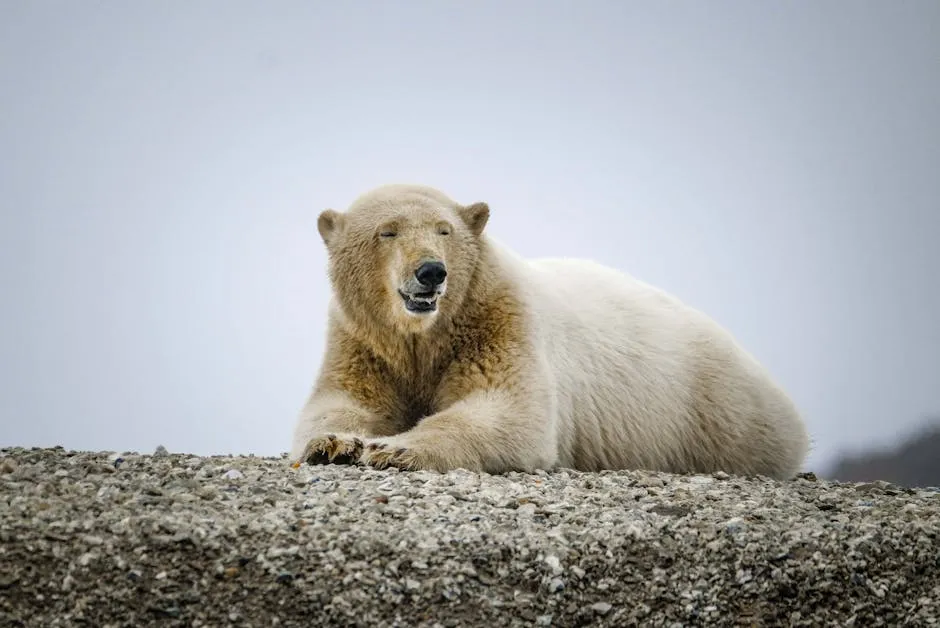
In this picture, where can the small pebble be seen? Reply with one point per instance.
(553, 563)
(601, 608)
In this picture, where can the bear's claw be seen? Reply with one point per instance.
(332, 449)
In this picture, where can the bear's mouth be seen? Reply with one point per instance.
(420, 302)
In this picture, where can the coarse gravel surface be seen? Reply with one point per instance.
(107, 539)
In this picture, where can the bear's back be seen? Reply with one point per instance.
(604, 306)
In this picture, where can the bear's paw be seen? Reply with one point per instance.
(382, 455)
(333, 449)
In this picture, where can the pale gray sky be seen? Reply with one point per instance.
(162, 165)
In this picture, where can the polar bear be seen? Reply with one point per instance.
(446, 350)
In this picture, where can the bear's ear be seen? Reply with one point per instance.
(475, 216)
(329, 223)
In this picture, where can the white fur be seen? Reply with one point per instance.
(623, 359)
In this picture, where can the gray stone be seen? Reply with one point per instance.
(601, 608)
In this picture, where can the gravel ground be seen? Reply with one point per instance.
(106, 539)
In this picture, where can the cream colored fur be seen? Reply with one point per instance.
(527, 363)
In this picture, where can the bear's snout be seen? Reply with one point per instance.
(431, 274)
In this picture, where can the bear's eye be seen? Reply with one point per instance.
(444, 231)
(388, 233)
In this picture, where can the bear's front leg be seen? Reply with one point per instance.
(485, 432)
(334, 429)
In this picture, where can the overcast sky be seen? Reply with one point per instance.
(162, 164)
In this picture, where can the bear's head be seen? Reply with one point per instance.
(401, 257)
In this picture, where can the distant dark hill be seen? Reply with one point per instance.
(915, 462)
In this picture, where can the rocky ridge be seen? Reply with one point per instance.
(109, 539)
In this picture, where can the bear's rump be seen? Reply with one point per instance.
(628, 363)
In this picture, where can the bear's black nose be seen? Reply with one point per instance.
(431, 274)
